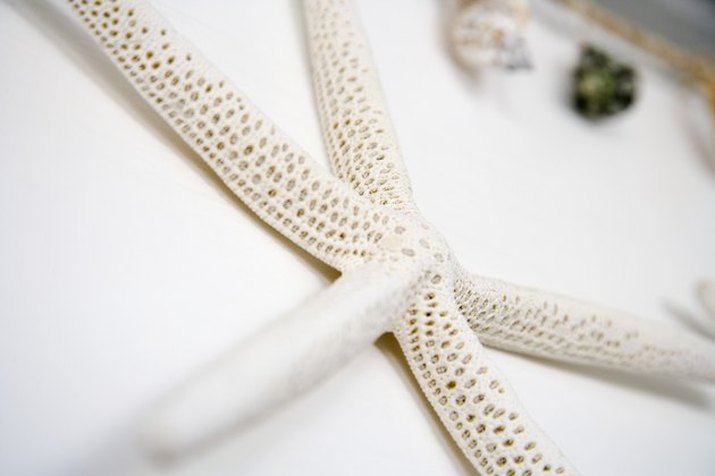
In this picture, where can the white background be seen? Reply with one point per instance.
(125, 266)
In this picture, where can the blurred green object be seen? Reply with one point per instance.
(602, 87)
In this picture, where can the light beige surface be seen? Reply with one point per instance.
(123, 266)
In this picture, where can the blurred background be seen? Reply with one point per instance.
(688, 23)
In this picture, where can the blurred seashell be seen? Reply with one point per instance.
(490, 33)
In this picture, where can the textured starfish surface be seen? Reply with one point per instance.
(398, 274)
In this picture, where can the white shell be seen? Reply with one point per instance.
(490, 33)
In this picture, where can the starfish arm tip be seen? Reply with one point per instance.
(287, 358)
(535, 322)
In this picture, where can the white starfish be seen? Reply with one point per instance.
(398, 273)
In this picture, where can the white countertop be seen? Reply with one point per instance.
(124, 266)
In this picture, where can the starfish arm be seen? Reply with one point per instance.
(290, 356)
(356, 125)
(534, 322)
(469, 394)
(258, 162)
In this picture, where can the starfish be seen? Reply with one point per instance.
(397, 272)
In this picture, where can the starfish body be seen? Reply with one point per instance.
(398, 273)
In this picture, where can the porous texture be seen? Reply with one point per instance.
(374, 223)
(358, 134)
(257, 161)
(538, 323)
(470, 395)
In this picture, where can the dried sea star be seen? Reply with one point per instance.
(398, 274)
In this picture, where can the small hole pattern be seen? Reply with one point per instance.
(470, 395)
(377, 221)
(356, 126)
(258, 162)
(533, 322)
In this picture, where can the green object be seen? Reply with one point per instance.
(602, 87)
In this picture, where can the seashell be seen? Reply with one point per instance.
(488, 33)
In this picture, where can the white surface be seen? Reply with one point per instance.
(124, 266)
